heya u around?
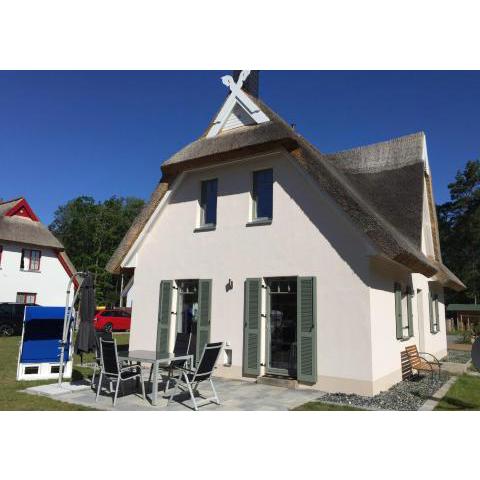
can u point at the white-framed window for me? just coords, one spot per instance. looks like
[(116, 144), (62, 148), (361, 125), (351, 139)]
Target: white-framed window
[(434, 312), (30, 260), (403, 311), (262, 195), (208, 203)]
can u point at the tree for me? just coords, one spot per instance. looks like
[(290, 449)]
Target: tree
[(91, 231), (459, 230)]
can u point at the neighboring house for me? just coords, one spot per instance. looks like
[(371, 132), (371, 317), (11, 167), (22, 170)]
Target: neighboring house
[(34, 267), (463, 316), (321, 267)]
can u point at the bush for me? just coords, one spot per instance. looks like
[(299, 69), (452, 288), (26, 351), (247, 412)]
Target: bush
[(465, 336)]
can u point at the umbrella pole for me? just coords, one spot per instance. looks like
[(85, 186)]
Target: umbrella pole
[(66, 323)]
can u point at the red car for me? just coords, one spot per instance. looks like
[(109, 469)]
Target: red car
[(112, 320)]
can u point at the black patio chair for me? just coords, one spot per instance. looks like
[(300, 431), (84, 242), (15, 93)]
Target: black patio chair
[(98, 363), (114, 372), (189, 380), (181, 347)]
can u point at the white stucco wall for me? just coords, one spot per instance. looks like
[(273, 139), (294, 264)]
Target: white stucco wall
[(309, 236), (50, 283), (386, 348)]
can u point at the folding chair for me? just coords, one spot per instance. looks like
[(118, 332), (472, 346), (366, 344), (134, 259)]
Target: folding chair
[(190, 379), (98, 362), (181, 347), (112, 371)]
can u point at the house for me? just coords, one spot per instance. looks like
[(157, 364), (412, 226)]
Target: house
[(463, 316), (34, 267), (312, 266)]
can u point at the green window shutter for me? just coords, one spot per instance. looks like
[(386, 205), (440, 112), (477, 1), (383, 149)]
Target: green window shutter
[(430, 307), (252, 323), (398, 310), (306, 330), (164, 315), (410, 311), (437, 316), (204, 314)]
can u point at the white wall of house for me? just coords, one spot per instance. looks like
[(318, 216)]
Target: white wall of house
[(357, 348), (50, 283), (309, 236), (386, 348)]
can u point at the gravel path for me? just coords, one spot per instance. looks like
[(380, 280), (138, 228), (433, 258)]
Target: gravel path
[(456, 356), (406, 395)]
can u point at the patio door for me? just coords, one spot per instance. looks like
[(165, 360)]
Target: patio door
[(187, 309), (193, 312), (281, 326), (290, 327)]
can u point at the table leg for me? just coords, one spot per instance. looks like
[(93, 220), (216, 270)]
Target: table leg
[(155, 384)]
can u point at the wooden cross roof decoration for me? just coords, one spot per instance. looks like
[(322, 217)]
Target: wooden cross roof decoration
[(239, 104)]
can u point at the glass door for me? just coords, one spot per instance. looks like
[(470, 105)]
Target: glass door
[(282, 326), (187, 311)]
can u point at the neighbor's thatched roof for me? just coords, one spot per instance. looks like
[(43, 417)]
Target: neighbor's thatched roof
[(379, 186), (20, 229), (23, 230), (8, 205)]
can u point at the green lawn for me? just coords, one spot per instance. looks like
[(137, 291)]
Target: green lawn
[(11, 397), (321, 406), (464, 394)]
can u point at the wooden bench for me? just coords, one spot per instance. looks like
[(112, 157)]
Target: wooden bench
[(419, 363), (407, 372)]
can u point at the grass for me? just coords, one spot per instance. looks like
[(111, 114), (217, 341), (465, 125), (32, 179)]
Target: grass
[(324, 407), (464, 394), (11, 395)]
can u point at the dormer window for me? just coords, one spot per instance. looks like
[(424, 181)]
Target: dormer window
[(262, 195), (208, 203), (30, 260)]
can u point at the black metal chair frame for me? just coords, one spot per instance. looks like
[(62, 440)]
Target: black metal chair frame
[(117, 373), (176, 365), (98, 361), (189, 380)]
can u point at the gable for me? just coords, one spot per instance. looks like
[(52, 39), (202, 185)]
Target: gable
[(238, 118), (239, 108), (22, 209)]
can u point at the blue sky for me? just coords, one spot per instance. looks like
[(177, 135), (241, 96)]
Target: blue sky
[(64, 134)]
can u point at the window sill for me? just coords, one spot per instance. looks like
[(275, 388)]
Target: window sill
[(30, 271), (205, 228), (259, 221), (405, 339)]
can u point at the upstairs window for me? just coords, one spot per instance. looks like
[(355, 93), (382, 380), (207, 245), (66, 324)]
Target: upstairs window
[(30, 260), (208, 203), (262, 194)]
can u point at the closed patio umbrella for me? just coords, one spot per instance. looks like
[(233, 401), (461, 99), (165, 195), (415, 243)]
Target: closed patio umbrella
[(85, 341)]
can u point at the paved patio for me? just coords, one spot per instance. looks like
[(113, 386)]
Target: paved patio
[(234, 395)]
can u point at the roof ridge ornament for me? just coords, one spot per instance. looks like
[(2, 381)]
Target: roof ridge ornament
[(237, 97)]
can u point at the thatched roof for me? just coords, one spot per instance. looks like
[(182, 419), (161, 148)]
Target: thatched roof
[(19, 229), (8, 205), (379, 186)]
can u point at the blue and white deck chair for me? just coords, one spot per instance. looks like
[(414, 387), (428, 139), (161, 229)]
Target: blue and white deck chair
[(39, 355)]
